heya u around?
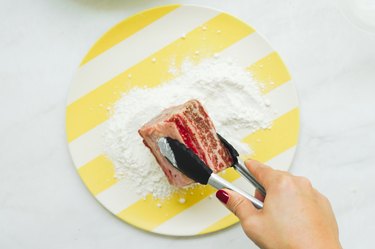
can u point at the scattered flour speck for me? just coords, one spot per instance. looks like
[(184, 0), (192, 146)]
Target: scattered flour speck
[(182, 200)]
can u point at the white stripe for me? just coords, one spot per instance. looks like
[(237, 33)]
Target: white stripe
[(194, 219), (283, 99), (136, 48), (118, 197), (89, 146), (284, 160), (248, 50), (208, 211)]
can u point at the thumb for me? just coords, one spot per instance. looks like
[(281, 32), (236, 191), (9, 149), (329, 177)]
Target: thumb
[(237, 204)]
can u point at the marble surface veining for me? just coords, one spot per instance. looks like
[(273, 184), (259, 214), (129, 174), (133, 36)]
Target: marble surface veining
[(43, 203)]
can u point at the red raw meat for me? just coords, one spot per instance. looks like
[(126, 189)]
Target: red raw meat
[(190, 124)]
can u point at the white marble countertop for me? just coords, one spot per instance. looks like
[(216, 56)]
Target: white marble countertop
[(43, 203)]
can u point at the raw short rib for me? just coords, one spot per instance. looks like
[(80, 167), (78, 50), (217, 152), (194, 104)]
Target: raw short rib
[(190, 124)]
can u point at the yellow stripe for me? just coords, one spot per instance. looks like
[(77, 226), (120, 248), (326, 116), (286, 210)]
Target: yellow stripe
[(147, 215), (270, 71), (283, 135), (220, 224), (98, 174), (125, 29), (90, 110)]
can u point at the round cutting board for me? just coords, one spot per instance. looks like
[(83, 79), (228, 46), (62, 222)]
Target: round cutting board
[(123, 58)]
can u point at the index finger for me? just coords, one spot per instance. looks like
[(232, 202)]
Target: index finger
[(263, 173)]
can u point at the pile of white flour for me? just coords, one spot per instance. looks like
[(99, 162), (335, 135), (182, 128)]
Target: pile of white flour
[(229, 93)]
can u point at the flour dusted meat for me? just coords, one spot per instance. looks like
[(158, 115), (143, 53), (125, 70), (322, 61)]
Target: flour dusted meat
[(190, 124)]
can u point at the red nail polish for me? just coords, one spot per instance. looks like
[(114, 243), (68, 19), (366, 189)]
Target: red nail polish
[(222, 196)]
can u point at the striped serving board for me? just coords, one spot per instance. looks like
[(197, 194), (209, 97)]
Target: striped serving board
[(166, 32)]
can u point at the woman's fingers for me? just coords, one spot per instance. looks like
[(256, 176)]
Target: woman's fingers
[(264, 174)]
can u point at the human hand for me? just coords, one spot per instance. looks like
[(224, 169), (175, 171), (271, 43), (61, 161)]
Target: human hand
[(295, 215)]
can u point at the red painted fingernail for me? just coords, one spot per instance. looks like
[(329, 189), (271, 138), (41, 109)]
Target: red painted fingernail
[(222, 196)]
